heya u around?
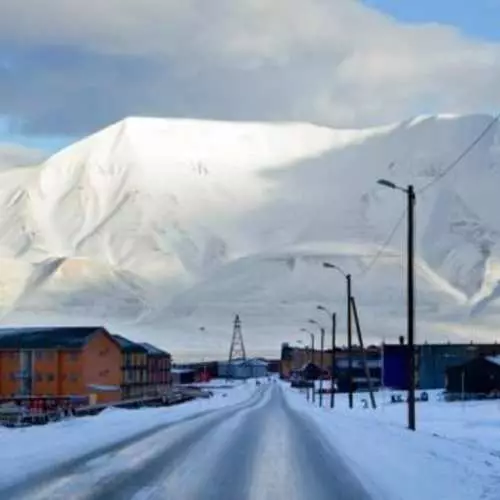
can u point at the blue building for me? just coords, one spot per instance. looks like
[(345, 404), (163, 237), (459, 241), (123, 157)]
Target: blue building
[(431, 362)]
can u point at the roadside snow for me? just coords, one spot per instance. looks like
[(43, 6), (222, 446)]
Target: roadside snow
[(454, 454), (32, 450)]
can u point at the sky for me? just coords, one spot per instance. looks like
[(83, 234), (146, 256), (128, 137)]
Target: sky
[(69, 68)]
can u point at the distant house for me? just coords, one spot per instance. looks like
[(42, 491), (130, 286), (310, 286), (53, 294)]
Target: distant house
[(243, 368), (183, 376), (481, 375), (310, 371), (60, 361)]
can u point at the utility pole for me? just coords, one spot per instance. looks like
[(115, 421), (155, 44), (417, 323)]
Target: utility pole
[(363, 353), (333, 318), (349, 339), (329, 265), (312, 361), (411, 200), (321, 360), (334, 363), (411, 306)]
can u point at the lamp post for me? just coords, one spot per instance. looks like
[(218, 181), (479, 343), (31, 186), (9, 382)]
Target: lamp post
[(333, 369), (312, 358), (347, 277), (321, 352), (301, 342), (411, 200)]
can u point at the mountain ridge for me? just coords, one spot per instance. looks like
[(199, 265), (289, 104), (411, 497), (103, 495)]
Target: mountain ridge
[(169, 207)]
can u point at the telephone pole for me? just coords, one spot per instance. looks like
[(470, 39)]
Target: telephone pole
[(411, 201)]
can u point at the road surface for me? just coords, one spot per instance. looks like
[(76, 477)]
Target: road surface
[(257, 450)]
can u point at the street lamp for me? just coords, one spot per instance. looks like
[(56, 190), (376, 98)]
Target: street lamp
[(203, 329), (312, 357), (410, 194), (301, 342), (321, 360), (347, 277), (333, 317)]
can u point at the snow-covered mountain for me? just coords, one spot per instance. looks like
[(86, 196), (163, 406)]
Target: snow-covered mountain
[(161, 226)]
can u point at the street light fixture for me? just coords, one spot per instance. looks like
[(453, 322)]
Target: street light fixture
[(411, 200), (347, 276), (321, 359), (333, 369)]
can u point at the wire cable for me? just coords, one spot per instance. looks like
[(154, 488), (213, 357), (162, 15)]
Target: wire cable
[(384, 246), (462, 155), (424, 188)]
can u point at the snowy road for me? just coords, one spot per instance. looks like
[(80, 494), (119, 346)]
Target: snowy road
[(257, 450)]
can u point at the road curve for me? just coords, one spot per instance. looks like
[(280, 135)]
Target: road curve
[(258, 450)]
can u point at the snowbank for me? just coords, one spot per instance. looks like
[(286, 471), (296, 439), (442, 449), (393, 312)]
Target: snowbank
[(448, 459), (33, 450)]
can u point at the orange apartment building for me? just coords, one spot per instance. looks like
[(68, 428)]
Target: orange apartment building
[(60, 361)]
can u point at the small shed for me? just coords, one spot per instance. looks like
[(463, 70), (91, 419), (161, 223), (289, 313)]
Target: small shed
[(480, 375), (183, 376), (310, 371)]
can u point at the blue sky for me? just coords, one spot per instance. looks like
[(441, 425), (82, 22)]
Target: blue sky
[(333, 62), (477, 18)]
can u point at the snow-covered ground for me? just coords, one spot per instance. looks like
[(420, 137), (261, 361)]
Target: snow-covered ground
[(453, 455), (263, 443), (28, 451)]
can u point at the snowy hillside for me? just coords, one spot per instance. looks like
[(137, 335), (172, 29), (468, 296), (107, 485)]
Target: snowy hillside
[(158, 227)]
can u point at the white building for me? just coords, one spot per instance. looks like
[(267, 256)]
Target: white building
[(243, 368)]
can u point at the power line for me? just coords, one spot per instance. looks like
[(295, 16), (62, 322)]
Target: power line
[(424, 188), (462, 155), (384, 245)]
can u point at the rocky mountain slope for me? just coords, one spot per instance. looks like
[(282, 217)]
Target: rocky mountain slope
[(158, 227)]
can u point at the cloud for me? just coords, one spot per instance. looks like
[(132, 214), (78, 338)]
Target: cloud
[(68, 66), (12, 155)]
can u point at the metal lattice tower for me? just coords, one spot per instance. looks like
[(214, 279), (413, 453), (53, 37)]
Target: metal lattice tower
[(237, 350)]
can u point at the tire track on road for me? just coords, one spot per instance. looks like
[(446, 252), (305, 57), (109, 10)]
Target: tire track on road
[(183, 469), (92, 467)]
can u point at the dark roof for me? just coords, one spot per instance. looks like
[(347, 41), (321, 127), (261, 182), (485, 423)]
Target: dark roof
[(127, 345), (153, 350), (46, 337)]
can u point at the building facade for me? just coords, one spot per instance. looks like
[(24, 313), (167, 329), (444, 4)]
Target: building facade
[(478, 376), (60, 362), (134, 368), (159, 366)]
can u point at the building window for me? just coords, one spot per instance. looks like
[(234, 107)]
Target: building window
[(50, 377), (38, 377), (104, 352)]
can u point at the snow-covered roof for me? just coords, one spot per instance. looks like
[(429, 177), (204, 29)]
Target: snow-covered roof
[(182, 370), (494, 359), (249, 362), (103, 388)]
